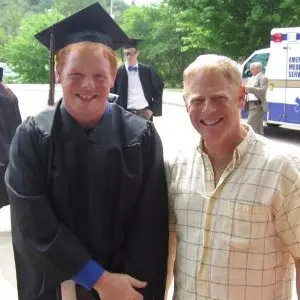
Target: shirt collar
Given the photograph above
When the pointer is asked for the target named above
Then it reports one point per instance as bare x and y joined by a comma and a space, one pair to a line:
257, 75
242, 149
126, 65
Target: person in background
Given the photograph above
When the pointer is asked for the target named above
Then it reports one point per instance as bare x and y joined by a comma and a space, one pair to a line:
139, 87
10, 119
234, 198
256, 101
86, 180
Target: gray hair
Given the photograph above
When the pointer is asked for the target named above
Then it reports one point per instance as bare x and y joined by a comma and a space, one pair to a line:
213, 63
256, 64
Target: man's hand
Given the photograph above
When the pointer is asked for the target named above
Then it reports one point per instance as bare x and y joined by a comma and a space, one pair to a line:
118, 287
171, 261
149, 112
297, 266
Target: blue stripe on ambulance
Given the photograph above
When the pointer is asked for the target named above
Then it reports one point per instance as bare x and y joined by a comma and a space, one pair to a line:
276, 113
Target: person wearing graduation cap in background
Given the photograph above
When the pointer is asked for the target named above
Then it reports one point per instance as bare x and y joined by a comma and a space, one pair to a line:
139, 87
10, 119
86, 180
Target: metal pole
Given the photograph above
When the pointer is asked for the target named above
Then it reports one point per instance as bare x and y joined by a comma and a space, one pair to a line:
111, 8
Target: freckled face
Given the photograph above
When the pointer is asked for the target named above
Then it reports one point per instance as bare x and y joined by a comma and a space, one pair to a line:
86, 78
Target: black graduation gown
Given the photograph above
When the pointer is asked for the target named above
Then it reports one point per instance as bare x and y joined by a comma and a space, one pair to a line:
10, 119
75, 197
152, 86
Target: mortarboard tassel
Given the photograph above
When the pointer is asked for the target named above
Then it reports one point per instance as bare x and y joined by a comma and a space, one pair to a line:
52, 73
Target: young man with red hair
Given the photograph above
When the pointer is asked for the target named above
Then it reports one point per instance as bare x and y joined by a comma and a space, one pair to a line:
86, 180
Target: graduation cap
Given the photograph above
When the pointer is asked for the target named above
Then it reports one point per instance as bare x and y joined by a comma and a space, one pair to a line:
92, 24
132, 43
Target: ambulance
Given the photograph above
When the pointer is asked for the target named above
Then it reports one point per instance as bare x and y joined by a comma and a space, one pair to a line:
281, 64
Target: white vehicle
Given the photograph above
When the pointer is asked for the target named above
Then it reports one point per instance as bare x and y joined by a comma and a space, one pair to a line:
7, 72
281, 64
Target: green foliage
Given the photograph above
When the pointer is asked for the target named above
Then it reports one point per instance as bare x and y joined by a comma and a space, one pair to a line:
12, 12
162, 42
234, 27
24, 54
20, 20
174, 32
68, 7
2, 36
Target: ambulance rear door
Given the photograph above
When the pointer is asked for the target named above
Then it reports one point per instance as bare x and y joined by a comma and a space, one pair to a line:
283, 73
276, 93
292, 98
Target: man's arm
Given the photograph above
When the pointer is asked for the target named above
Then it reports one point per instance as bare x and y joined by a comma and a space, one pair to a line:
171, 262
259, 91
297, 266
40, 239
37, 232
157, 87
15, 117
287, 211
146, 249
172, 231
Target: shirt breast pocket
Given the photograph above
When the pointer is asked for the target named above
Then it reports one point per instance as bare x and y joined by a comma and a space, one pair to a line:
249, 229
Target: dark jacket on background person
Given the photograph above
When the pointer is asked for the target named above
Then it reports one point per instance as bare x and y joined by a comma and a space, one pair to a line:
10, 119
152, 86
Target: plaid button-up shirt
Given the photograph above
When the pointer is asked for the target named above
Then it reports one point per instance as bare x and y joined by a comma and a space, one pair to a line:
236, 238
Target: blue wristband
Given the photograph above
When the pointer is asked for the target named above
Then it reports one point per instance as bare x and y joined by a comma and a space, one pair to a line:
89, 275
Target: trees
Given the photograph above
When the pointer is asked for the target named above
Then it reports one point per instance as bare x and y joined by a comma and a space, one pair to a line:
235, 27
25, 54
68, 7
174, 32
13, 11
162, 42
20, 50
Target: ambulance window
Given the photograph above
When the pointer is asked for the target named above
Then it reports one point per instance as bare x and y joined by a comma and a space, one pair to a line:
261, 57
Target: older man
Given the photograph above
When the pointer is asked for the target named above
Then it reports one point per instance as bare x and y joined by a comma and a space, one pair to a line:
256, 89
234, 198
